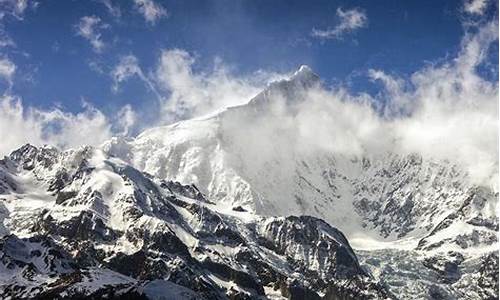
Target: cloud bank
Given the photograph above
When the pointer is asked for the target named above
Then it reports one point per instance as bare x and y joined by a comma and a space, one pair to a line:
20, 125
444, 111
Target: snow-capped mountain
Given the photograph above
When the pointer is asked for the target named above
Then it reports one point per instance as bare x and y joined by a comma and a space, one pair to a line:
241, 157
233, 205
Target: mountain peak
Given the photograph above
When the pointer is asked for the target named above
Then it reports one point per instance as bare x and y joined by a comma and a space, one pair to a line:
304, 75
303, 78
304, 69
290, 89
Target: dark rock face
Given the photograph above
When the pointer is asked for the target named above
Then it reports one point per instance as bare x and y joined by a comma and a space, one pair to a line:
84, 226
295, 291
29, 157
309, 239
488, 277
63, 196
189, 191
326, 244
68, 279
446, 266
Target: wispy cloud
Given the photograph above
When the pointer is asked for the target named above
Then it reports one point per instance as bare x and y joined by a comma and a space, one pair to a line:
475, 7
350, 20
183, 93
128, 67
7, 69
15, 8
113, 9
151, 11
125, 120
89, 28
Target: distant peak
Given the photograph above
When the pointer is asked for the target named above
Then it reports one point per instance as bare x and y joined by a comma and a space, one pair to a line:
305, 74
304, 69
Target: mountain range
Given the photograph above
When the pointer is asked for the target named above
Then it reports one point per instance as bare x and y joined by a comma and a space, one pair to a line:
238, 205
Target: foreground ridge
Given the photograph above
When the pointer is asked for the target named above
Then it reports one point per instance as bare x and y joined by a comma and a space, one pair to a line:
79, 224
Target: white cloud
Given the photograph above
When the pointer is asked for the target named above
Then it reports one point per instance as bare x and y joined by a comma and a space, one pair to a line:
7, 69
89, 28
128, 67
15, 8
5, 39
151, 11
20, 125
125, 120
445, 111
475, 7
189, 94
113, 9
183, 93
349, 21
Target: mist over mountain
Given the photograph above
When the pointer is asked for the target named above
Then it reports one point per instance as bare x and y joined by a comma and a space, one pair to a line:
268, 183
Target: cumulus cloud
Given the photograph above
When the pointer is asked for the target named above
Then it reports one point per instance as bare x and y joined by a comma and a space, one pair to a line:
455, 113
20, 125
350, 20
150, 10
89, 27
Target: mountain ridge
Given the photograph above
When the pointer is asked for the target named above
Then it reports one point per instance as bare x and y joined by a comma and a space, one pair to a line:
124, 224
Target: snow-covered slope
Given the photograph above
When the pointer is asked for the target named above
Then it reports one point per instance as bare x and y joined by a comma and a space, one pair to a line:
81, 224
240, 157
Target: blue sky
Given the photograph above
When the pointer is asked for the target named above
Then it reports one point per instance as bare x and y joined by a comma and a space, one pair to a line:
57, 66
